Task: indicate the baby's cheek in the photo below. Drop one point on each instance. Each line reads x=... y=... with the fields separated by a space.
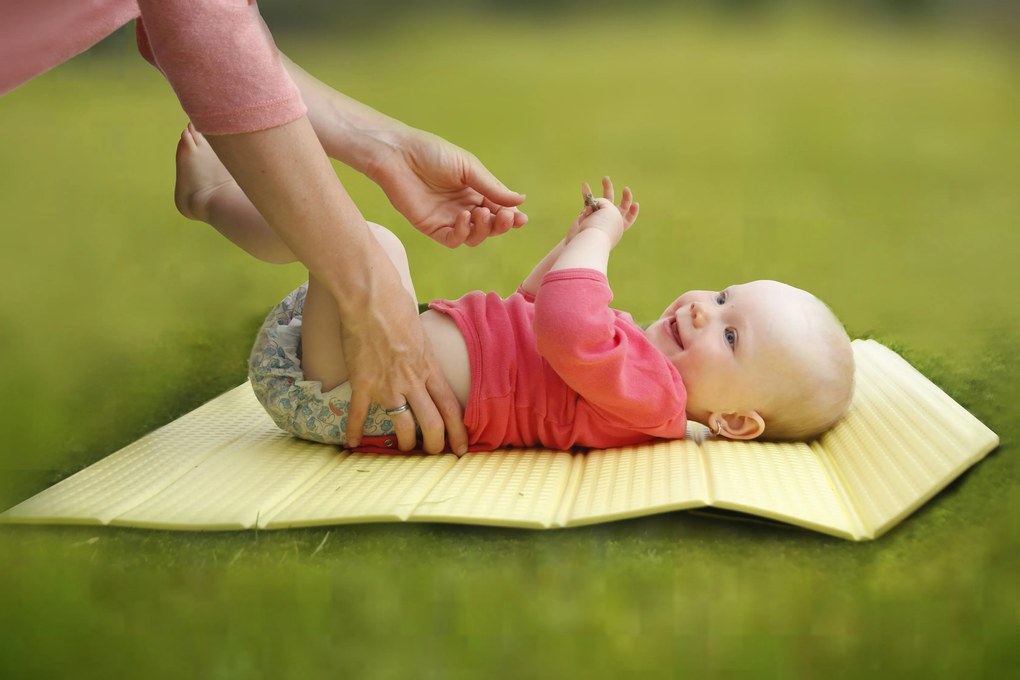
x=694 y=367
x=687 y=370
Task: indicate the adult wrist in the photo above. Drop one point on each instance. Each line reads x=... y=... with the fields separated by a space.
x=360 y=280
x=364 y=143
x=382 y=146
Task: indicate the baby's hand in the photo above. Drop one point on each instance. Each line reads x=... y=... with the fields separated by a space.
x=602 y=214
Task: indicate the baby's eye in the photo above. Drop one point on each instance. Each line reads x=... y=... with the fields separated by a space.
x=731 y=337
x=720 y=298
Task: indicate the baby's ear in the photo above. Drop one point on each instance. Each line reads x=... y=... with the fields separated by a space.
x=743 y=425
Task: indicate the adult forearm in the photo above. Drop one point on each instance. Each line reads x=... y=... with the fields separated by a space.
x=351 y=132
x=288 y=178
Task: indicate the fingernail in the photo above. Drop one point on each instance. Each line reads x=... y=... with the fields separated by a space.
x=462 y=449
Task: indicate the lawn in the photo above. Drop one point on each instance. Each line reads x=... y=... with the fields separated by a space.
x=873 y=165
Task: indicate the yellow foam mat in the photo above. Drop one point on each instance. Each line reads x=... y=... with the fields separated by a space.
x=226 y=466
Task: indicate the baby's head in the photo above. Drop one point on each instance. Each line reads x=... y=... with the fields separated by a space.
x=760 y=359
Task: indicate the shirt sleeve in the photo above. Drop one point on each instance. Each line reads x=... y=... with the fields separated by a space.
x=607 y=361
x=222 y=63
x=36 y=35
x=525 y=294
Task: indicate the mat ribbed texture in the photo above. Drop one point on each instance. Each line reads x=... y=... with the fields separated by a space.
x=226 y=466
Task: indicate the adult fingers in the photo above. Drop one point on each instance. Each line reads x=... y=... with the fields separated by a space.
x=503 y=221
x=403 y=422
x=484 y=182
x=356 y=414
x=481 y=226
x=385 y=354
x=453 y=418
x=455 y=236
x=517 y=218
x=399 y=388
x=445 y=421
x=435 y=408
x=481 y=218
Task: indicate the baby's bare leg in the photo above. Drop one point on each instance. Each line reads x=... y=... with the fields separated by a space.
x=322 y=356
x=205 y=191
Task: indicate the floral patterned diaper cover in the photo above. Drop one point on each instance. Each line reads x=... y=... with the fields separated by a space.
x=296 y=405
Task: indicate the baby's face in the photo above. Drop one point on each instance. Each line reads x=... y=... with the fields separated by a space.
x=731 y=345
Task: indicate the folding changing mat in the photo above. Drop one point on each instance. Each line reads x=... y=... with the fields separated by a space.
x=226 y=466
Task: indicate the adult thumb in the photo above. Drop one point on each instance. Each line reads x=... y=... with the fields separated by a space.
x=485 y=183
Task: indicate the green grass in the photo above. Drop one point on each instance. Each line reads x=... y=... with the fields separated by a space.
x=875 y=167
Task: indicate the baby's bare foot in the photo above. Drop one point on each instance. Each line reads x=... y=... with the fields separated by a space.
x=200 y=175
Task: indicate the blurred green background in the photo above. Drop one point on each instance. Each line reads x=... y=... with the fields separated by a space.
x=870 y=156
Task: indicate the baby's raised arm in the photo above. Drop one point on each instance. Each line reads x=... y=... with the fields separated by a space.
x=606 y=221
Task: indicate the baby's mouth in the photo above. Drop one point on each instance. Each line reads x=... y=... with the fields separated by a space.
x=675 y=331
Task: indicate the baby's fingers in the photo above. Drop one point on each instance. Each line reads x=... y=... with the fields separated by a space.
x=591 y=204
x=631 y=214
x=607 y=189
x=626 y=201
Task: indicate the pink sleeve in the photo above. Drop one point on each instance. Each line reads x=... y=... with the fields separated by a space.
x=36 y=35
x=606 y=361
x=525 y=294
x=221 y=61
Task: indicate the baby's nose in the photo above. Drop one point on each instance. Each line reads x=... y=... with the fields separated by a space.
x=697 y=315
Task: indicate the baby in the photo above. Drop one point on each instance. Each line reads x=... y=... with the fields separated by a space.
x=553 y=365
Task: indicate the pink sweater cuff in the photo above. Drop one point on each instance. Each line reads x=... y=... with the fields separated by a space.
x=221 y=61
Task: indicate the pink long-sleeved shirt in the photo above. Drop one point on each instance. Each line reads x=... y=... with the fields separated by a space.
x=563 y=369
x=217 y=54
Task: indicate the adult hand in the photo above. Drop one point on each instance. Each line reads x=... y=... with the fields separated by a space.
x=286 y=175
x=445 y=191
x=390 y=362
